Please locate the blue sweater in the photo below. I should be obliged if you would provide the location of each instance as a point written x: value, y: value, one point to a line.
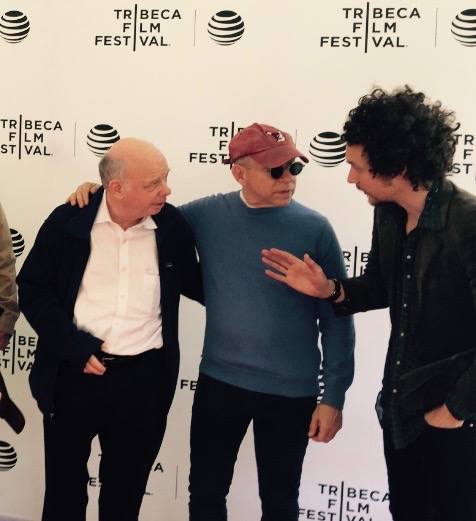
x: 260, y: 334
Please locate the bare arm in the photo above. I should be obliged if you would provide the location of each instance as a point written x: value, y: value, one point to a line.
x: 305, y: 275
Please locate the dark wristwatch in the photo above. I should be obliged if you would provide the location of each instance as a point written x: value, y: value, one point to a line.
x: 337, y: 291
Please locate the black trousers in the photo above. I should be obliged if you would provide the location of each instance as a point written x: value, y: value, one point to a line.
x: 434, y: 477
x: 221, y: 415
x: 127, y: 408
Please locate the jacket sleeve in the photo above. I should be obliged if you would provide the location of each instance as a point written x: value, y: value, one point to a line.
x: 44, y: 282
x: 192, y: 277
x: 461, y: 400
x: 8, y: 290
x: 368, y: 291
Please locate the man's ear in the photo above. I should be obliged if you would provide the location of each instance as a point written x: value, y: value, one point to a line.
x: 116, y: 188
x: 239, y: 173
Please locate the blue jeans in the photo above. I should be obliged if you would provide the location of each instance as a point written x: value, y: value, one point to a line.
x: 434, y: 477
x: 221, y: 415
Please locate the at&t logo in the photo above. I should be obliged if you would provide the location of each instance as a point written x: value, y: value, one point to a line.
x: 18, y: 242
x: 327, y: 149
x: 463, y: 28
x: 226, y: 27
x: 8, y: 456
x: 14, y: 27
x: 101, y: 138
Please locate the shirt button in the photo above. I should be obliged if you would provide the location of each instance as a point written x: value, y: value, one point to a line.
x: 471, y: 425
x: 394, y: 391
x: 398, y: 362
x: 408, y: 276
x: 409, y: 256
x: 402, y: 334
x: 122, y: 297
x: 405, y: 305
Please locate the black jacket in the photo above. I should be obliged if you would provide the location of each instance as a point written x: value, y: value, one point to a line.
x: 51, y: 275
x: 443, y: 299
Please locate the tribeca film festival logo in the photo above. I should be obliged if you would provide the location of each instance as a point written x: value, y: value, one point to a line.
x: 464, y: 156
x: 8, y: 456
x: 138, y: 27
x: 355, y: 261
x: 372, y: 27
x: 226, y: 27
x: 101, y: 138
x: 353, y: 503
x: 463, y: 28
x: 23, y: 136
x: 220, y: 135
x: 14, y: 27
x: 95, y: 481
x: 19, y: 354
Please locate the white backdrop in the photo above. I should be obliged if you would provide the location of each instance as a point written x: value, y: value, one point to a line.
x: 160, y: 71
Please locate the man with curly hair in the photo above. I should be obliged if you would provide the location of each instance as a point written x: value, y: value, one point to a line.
x: 422, y: 265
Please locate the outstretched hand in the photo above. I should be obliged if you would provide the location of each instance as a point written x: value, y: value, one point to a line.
x: 81, y: 195
x: 304, y: 275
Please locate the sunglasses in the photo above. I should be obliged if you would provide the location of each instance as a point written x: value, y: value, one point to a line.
x: 278, y: 171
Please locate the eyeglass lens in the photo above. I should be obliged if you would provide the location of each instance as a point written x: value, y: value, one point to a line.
x: 294, y: 169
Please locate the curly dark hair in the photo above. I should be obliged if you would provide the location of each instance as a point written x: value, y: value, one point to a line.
x: 399, y: 130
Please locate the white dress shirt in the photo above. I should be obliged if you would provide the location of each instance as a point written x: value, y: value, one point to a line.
x: 119, y: 297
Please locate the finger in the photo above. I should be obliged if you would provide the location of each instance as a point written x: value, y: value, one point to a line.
x: 311, y: 264
x: 95, y: 366
x: 280, y: 256
x: 324, y: 435
x: 82, y: 198
x: 88, y: 369
x: 276, y: 276
x: 71, y: 199
x: 273, y: 264
x: 313, y: 428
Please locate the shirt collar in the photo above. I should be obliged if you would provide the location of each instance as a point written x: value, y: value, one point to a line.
x: 430, y: 217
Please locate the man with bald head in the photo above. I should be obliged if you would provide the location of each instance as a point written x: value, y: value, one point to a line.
x: 101, y: 287
x: 261, y: 358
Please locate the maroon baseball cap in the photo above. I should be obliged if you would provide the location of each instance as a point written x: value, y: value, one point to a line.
x: 267, y: 145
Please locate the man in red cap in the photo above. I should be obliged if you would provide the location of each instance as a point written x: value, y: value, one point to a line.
x: 261, y: 359
x: 8, y: 316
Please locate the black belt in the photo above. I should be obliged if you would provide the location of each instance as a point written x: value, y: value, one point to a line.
x: 109, y: 359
